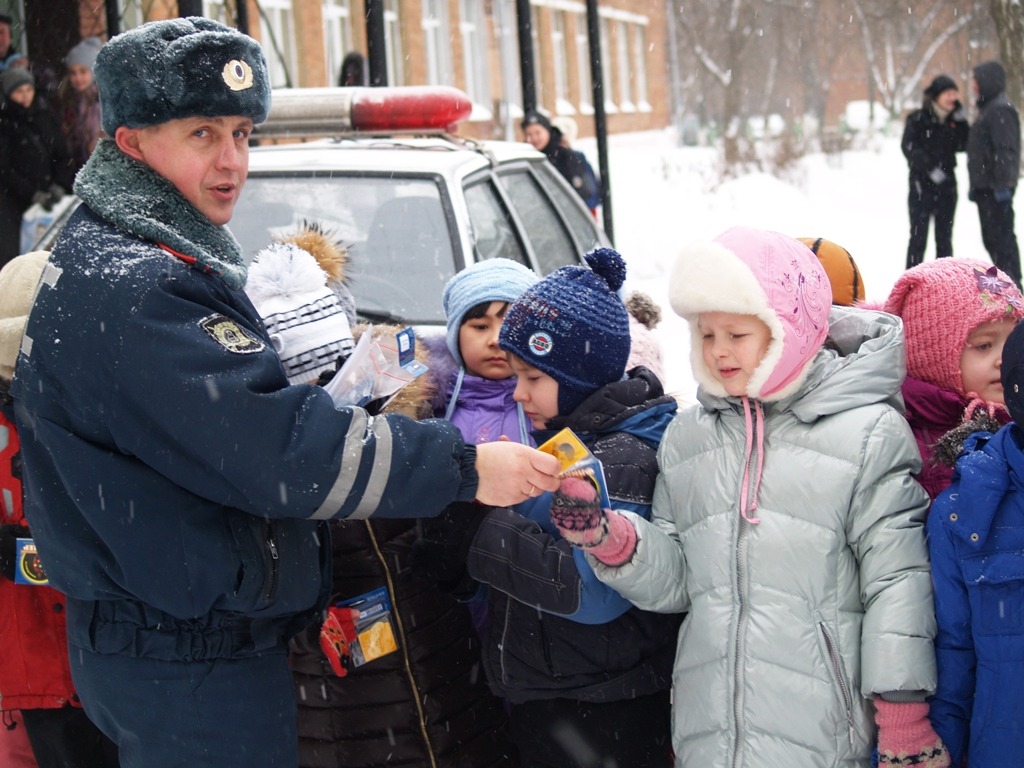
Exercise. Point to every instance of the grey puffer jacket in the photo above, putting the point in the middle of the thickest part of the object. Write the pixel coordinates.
(795, 622)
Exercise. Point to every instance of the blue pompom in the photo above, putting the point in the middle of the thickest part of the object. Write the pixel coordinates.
(609, 264)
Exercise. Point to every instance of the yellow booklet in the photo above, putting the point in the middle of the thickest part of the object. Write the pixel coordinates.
(576, 460)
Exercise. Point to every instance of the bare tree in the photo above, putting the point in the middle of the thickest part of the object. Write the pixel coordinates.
(901, 39)
(1008, 16)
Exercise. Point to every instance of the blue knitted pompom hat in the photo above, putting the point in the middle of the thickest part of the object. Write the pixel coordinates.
(490, 280)
(573, 326)
(166, 70)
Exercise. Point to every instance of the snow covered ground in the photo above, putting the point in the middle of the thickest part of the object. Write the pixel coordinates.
(665, 196)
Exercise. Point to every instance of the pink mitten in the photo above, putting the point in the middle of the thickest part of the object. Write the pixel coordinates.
(906, 737)
(577, 513)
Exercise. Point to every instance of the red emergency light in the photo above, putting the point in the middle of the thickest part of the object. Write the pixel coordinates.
(334, 111)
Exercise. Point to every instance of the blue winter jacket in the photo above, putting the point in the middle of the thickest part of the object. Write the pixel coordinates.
(976, 538)
(175, 484)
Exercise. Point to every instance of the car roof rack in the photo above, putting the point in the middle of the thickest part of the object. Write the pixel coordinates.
(302, 113)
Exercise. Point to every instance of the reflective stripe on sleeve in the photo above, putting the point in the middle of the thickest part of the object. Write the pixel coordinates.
(352, 457)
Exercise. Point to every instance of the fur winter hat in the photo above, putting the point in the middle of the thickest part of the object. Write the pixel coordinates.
(770, 276)
(166, 70)
(84, 53)
(573, 326)
(12, 78)
(1012, 374)
(941, 302)
(18, 280)
(490, 280)
(303, 317)
(843, 275)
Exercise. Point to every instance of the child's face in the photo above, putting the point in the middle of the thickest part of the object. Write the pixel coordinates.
(982, 359)
(733, 345)
(206, 158)
(535, 391)
(80, 77)
(478, 344)
(23, 95)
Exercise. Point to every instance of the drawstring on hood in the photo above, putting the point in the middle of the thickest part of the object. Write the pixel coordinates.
(776, 279)
(752, 427)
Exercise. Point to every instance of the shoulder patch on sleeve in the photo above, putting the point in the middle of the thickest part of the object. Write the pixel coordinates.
(230, 335)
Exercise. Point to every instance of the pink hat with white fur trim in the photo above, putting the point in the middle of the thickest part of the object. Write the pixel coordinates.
(771, 276)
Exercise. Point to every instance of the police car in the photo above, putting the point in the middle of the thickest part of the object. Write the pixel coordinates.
(413, 203)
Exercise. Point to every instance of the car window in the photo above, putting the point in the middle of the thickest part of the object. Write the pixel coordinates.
(492, 232)
(579, 219)
(549, 239)
(397, 232)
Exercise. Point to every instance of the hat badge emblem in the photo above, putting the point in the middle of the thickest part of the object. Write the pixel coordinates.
(540, 343)
(237, 75)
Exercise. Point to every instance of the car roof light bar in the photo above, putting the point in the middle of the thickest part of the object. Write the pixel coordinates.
(334, 111)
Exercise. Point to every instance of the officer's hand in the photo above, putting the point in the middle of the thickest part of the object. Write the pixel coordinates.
(512, 472)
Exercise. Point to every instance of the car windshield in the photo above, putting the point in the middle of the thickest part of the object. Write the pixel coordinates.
(396, 231)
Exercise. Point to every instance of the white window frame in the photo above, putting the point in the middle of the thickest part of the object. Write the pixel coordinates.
(535, 44)
(640, 67)
(606, 68)
(560, 63)
(338, 41)
(622, 64)
(473, 31)
(218, 11)
(436, 42)
(583, 64)
(393, 43)
(279, 16)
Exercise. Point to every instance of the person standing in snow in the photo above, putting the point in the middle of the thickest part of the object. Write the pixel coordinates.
(79, 101)
(785, 521)
(931, 138)
(177, 485)
(993, 163)
(571, 163)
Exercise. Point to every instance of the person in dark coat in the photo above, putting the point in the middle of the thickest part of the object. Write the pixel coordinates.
(932, 137)
(571, 163)
(993, 162)
(353, 70)
(34, 162)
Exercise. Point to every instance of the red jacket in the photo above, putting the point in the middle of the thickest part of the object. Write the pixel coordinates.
(34, 669)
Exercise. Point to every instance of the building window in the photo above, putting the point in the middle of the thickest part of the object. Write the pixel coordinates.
(538, 75)
(559, 60)
(393, 42)
(337, 17)
(131, 14)
(583, 64)
(606, 68)
(277, 37)
(472, 27)
(622, 62)
(214, 9)
(437, 43)
(640, 67)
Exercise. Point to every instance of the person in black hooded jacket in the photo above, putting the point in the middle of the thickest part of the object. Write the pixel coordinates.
(993, 162)
(931, 138)
(571, 163)
(35, 165)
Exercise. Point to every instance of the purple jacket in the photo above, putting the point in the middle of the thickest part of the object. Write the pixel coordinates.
(484, 409)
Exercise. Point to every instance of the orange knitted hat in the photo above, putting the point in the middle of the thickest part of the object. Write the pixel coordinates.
(843, 275)
(941, 302)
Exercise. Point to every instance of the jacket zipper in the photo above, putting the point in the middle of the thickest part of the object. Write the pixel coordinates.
(837, 672)
(404, 644)
(739, 639)
(275, 556)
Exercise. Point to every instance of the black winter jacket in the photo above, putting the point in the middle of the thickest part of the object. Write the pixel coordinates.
(550, 632)
(993, 149)
(33, 154)
(930, 143)
(426, 705)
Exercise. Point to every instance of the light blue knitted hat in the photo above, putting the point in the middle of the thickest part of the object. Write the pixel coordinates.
(490, 280)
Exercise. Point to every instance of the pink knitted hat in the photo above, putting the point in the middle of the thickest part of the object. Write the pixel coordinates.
(771, 276)
(941, 302)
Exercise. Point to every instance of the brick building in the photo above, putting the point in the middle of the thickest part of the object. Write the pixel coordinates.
(471, 44)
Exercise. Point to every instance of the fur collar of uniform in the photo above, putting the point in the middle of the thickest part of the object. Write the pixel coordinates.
(139, 201)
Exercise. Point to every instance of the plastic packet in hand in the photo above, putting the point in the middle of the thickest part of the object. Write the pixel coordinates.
(376, 369)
